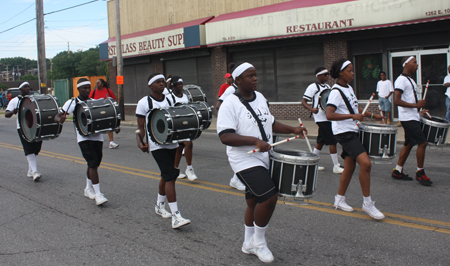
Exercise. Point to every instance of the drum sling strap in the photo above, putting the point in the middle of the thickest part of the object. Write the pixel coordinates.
(150, 102)
(314, 97)
(349, 107)
(250, 109)
(412, 85)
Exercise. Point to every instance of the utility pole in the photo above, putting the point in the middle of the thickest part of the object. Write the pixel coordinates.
(119, 60)
(42, 66)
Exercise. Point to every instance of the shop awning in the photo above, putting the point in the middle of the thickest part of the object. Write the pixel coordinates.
(317, 17)
(186, 35)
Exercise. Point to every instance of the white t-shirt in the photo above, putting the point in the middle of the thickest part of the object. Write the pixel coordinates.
(403, 84)
(335, 100)
(182, 99)
(384, 87)
(230, 90)
(311, 92)
(234, 117)
(166, 91)
(71, 109)
(447, 80)
(13, 104)
(142, 110)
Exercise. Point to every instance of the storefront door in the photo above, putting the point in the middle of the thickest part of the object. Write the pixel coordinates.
(433, 68)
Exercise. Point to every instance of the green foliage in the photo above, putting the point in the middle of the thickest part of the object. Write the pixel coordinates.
(20, 61)
(371, 69)
(3, 86)
(29, 77)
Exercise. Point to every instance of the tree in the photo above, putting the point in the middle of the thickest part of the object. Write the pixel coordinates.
(80, 63)
(3, 86)
(29, 77)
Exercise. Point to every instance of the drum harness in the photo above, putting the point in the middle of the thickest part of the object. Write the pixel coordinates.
(412, 85)
(347, 103)
(250, 109)
(314, 96)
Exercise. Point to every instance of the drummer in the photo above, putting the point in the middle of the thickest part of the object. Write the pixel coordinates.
(405, 97)
(91, 146)
(325, 136)
(343, 110)
(179, 97)
(239, 130)
(31, 149)
(164, 154)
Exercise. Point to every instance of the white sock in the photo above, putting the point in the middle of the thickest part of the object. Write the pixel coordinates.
(161, 198)
(88, 183)
(334, 158)
(339, 197)
(249, 231)
(97, 189)
(399, 168)
(189, 167)
(173, 207)
(32, 162)
(316, 151)
(258, 237)
(367, 199)
(234, 178)
(418, 169)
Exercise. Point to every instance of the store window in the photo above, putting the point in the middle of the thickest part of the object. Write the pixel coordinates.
(367, 74)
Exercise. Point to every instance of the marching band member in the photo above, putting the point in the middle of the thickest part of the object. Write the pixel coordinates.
(325, 136)
(406, 99)
(164, 154)
(31, 149)
(241, 130)
(342, 110)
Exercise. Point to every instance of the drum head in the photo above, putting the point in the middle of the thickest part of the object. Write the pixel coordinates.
(323, 99)
(27, 118)
(81, 119)
(158, 126)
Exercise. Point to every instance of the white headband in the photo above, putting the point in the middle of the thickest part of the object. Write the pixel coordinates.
(23, 84)
(322, 72)
(180, 80)
(169, 79)
(155, 78)
(87, 82)
(345, 64)
(240, 69)
(407, 60)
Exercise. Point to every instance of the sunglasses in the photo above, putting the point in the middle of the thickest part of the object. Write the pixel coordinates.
(326, 74)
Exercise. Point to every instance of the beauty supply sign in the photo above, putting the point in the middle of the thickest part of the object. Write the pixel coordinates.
(296, 18)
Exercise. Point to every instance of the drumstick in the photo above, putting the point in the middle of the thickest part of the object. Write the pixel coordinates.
(365, 109)
(306, 137)
(276, 143)
(69, 106)
(425, 95)
(138, 132)
(381, 113)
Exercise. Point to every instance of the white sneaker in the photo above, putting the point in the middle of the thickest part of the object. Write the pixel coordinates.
(178, 221)
(89, 192)
(337, 169)
(36, 176)
(372, 211)
(248, 249)
(262, 251)
(190, 174)
(30, 174)
(320, 168)
(113, 145)
(160, 209)
(100, 199)
(342, 204)
(181, 175)
(237, 184)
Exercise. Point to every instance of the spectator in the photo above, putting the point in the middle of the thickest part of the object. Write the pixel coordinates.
(447, 93)
(385, 90)
(228, 82)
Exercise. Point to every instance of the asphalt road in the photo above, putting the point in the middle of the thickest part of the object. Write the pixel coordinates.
(50, 222)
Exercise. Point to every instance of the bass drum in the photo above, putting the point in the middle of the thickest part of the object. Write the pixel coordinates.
(174, 124)
(194, 93)
(435, 130)
(36, 114)
(205, 111)
(97, 116)
(323, 99)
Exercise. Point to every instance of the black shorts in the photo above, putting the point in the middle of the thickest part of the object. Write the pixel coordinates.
(92, 152)
(29, 147)
(165, 158)
(258, 183)
(326, 134)
(351, 145)
(413, 133)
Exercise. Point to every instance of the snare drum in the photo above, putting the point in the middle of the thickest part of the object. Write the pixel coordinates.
(174, 124)
(194, 93)
(294, 172)
(97, 116)
(323, 99)
(379, 140)
(435, 129)
(36, 114)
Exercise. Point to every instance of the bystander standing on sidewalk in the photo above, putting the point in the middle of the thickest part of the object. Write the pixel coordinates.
(385, 89)
(447, 94)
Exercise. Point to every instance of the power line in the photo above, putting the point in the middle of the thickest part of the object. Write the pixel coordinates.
(17, 14)
(18, 25)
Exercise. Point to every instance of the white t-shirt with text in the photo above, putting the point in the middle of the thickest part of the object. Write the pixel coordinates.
(335, 100)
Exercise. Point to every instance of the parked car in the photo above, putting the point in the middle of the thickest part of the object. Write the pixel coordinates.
(16, 91)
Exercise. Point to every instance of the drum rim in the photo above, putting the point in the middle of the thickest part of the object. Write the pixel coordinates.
(276, 155)
(82, 104)
(444, 124)
(378, 128)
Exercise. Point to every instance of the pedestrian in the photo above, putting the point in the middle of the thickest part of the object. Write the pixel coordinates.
(447, 93)
(405, 98)
(385, 90)
(9, 97)
(2, 95)
(228, 82)
(91, 146)
(164, 154)
(343, 110)
(179, 97)
(102, 91)
(31, 149)
(325, 136)
(241, 130)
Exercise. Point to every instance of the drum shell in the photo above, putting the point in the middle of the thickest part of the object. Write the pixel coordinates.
(194, 93)
(323, 99)
(42, 109)
(435, 130)
(288, 167)
(181, 123)
(97, 116)
(375, 137)
(205, 111)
